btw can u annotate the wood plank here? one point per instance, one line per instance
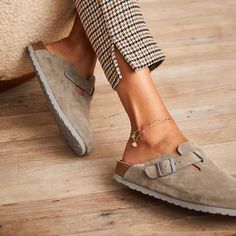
(45, 190)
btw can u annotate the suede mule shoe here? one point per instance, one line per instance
(59, 81)
(190, 180)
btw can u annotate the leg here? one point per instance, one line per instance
(143, 104)
(123, 47)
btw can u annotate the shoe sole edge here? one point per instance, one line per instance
(177, 202)
(71, 135)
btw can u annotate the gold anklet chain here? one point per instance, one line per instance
(135, 135)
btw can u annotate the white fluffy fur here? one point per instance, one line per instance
(25, 21)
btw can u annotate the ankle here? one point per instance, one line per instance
(141, 134)
(159, 140)
(80, 54)
(166, 132)
(79, 48)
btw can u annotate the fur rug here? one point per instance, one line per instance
(25, 21)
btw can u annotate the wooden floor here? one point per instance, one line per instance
(46, 191)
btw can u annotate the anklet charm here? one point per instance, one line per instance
(134, 135)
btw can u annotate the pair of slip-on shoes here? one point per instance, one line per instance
(190, 180)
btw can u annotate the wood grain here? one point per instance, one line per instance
(45, 190)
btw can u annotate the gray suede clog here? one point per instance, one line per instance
(59, 81)
(190, 180)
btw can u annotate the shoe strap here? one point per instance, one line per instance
(86, 84)
(169, 164)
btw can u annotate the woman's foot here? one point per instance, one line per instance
(187, 180)
(77, 50)
(172, 179)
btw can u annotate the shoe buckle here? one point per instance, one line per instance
(165, 167)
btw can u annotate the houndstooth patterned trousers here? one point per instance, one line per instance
(118, 23)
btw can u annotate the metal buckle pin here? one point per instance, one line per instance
(159, 166)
